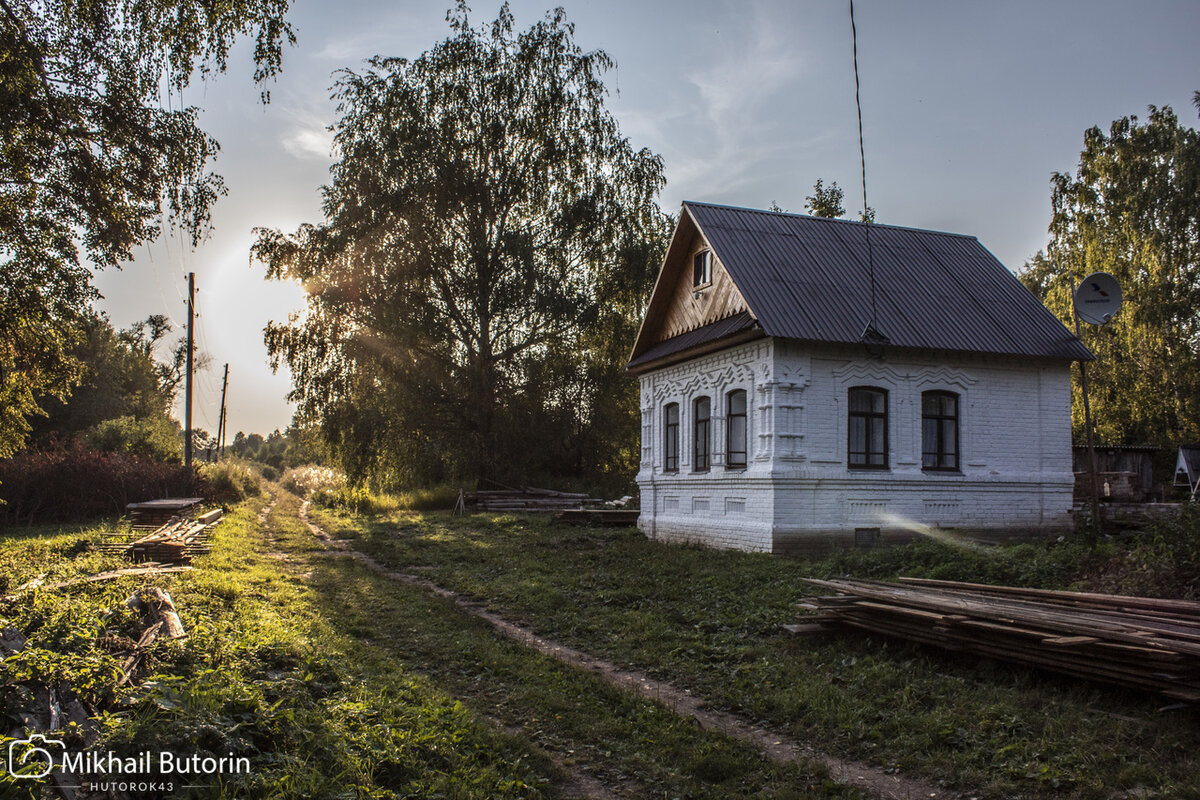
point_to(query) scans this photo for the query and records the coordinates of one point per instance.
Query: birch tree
(483, 204)
(1133, 209)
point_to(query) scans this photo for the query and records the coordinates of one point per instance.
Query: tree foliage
(490, 239)
(278, 449)
(91, 160)
(120, 377)
(1133, 209)
(825, 202)
(157, 437)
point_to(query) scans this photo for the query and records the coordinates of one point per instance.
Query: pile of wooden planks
(1139, 642)
(528, 499)
(176, 542)
(153, 514)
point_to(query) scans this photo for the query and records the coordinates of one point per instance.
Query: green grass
(711, 622)
(261, 674)
(53, 552)
(339, 683)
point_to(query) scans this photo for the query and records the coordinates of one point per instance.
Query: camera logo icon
(32, 757)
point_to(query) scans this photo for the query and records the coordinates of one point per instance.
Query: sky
(968, 109)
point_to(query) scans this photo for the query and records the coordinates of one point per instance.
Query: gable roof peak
(832, 220)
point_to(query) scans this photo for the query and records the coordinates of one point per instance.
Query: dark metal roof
(1121, 448)
(807, 278)
(694, 338)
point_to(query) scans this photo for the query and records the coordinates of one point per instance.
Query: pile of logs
(1139, 642)
(176, 542)
(528, 499)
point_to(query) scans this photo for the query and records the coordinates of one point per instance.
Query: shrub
(231, 481)
(355, 499)
(1162, 562)
(154, 437)
(307, 479)
(360, 500)
(431, 499)
(72, 482)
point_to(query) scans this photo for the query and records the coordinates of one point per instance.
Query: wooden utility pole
(221, 422)
(1097, 522)
(191, 346)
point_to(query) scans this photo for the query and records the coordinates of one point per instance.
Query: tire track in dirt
(776, 746)
(268, 508)
(576, 782)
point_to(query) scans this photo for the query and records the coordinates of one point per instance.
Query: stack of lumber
(154, 514)
(176, 542)
(528, 499)
(1139, 642)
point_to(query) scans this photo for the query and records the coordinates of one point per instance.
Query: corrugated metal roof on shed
(807, 278)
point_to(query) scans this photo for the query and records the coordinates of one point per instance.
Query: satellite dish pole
(1097, 301)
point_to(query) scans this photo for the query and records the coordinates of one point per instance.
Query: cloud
(305, 135)
(309, 143)
(758, 62)
(743, 99)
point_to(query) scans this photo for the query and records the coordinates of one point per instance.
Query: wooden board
(1142, 643)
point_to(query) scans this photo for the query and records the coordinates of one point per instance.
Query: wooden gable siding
(718, 300)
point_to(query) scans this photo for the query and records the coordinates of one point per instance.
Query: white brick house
(777, 417)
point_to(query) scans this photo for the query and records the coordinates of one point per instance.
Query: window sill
(868, 467)
(943, 470)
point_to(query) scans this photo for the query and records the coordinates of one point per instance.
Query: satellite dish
(1098, 298)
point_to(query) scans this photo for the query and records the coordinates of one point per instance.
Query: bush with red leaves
(70, 482)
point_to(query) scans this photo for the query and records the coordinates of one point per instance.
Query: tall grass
(329, 488)
(231, 481)
(310, 478)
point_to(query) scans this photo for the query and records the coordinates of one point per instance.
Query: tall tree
(484, 203)
(1133, 209)
(91, 159)
(120, 378)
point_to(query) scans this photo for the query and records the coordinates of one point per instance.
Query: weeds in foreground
(262, 674)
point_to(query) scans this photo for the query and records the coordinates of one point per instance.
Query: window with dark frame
(867, 440)
(735, 429)
(671, 437)
(701, 447)
(702, 268)
(939, 431)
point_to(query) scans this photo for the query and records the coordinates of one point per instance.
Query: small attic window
(702, 268)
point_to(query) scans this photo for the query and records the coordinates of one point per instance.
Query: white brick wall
(1014, 433)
